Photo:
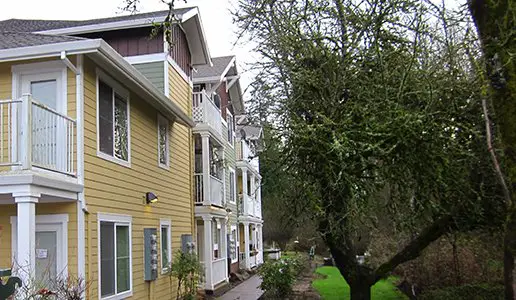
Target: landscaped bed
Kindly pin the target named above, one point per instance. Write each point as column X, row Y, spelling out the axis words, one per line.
column 333, row 286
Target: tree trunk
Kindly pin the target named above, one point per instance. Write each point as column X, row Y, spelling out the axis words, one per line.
column 495, row 21
column 360, row 290
column 509, row 259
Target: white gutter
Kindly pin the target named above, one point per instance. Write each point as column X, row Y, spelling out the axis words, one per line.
column 49, row 50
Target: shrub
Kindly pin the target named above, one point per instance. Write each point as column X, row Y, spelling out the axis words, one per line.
column 466, row 292
column 186, row 268
column 279, row 276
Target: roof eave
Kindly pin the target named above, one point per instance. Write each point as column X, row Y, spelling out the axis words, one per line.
column 109, row 57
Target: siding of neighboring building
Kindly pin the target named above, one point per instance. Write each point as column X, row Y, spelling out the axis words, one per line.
column 112, row 188
column 224, row 99
column 154, row 72
column 131, row 42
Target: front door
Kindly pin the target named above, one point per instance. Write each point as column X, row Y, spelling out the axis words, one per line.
column 48, row 129
column 48, row 254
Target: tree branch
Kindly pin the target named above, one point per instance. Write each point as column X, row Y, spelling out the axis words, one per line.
column 414, row 248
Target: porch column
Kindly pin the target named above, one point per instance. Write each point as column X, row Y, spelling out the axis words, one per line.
column 260, row 242
column 224, row 244
column 206, row 168
column 253, row 194
column 246, row 246
column 208, row 253
column 259, row 198
column 25, row 264
column 245, row 207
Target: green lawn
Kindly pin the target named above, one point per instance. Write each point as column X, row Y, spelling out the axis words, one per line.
column 334, row 287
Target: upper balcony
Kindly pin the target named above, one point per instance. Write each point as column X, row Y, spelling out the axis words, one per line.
column 246, row 154
column 36, row 137
column 215, row 191
column 249, row 206
column 205, row 112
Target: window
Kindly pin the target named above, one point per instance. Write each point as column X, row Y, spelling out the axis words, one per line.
column 216, row 240
column 232, row 186
column 231, row 127
column 113, row 120
column 115, row 256
column 163, row 144
column 166, row 245
column 233, row 246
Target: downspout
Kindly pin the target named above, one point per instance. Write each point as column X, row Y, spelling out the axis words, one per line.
column 81, row 205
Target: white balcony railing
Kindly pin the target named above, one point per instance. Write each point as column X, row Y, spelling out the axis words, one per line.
column 244, row 153
column 34, row 135
column 205, row 111
column 219, row 270
column 216, row 192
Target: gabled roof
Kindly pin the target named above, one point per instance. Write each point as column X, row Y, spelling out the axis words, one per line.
column 249, row 132
column 9, row 40
column 221, row 66
column 189, row 18
column 20, row 25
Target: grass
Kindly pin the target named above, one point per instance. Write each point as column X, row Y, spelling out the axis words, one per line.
column 334, row 287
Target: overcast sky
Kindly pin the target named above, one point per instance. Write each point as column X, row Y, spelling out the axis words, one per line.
column 215, row 16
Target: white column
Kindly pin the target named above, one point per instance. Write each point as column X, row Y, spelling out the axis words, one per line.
column 208, row 253
column 245, row 207
column 25, row 263
column 260, row 242
column 246, row 246
column 259, row 199
column 253, row 194
column 206, row 168
column 224, row 245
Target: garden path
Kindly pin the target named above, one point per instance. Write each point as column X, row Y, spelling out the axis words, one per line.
column 247, row 290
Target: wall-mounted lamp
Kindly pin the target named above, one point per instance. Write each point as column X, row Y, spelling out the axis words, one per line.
column 150, row 198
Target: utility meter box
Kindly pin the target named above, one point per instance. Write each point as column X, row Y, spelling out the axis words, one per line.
column 150, row 242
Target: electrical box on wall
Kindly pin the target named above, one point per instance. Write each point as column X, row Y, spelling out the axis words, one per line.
column 187, row 246
column 150, row 242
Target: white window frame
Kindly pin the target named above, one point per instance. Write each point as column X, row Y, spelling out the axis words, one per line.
column 167, row 143
column 166, row 223
column 231, row 170
column 124, row 93
column 124, row 220
column 234, row 227
column 230, row 123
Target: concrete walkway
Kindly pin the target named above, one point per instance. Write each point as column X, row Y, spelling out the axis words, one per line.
column 247, row 290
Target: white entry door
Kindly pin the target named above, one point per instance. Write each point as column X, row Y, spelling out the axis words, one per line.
column 51, row 248
column 48, row 129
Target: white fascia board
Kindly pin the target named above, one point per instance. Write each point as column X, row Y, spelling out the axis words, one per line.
column 50, row 50
column 117, row 61
column 226, row 70
column 194, row 12
column 208, row 79
column 105, row 26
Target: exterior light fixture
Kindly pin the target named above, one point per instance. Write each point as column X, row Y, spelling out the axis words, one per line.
column 150, row 198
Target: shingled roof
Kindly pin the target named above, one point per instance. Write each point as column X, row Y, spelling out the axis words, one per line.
column 219, row 66
column 20, row 25
column 9, row 40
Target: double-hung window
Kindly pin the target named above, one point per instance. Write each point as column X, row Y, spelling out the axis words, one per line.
column 113, row 120
column 163, row 142
column 115, row 256
column 166, row 245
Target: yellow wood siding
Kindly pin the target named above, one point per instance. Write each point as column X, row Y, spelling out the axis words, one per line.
column 113, row 188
